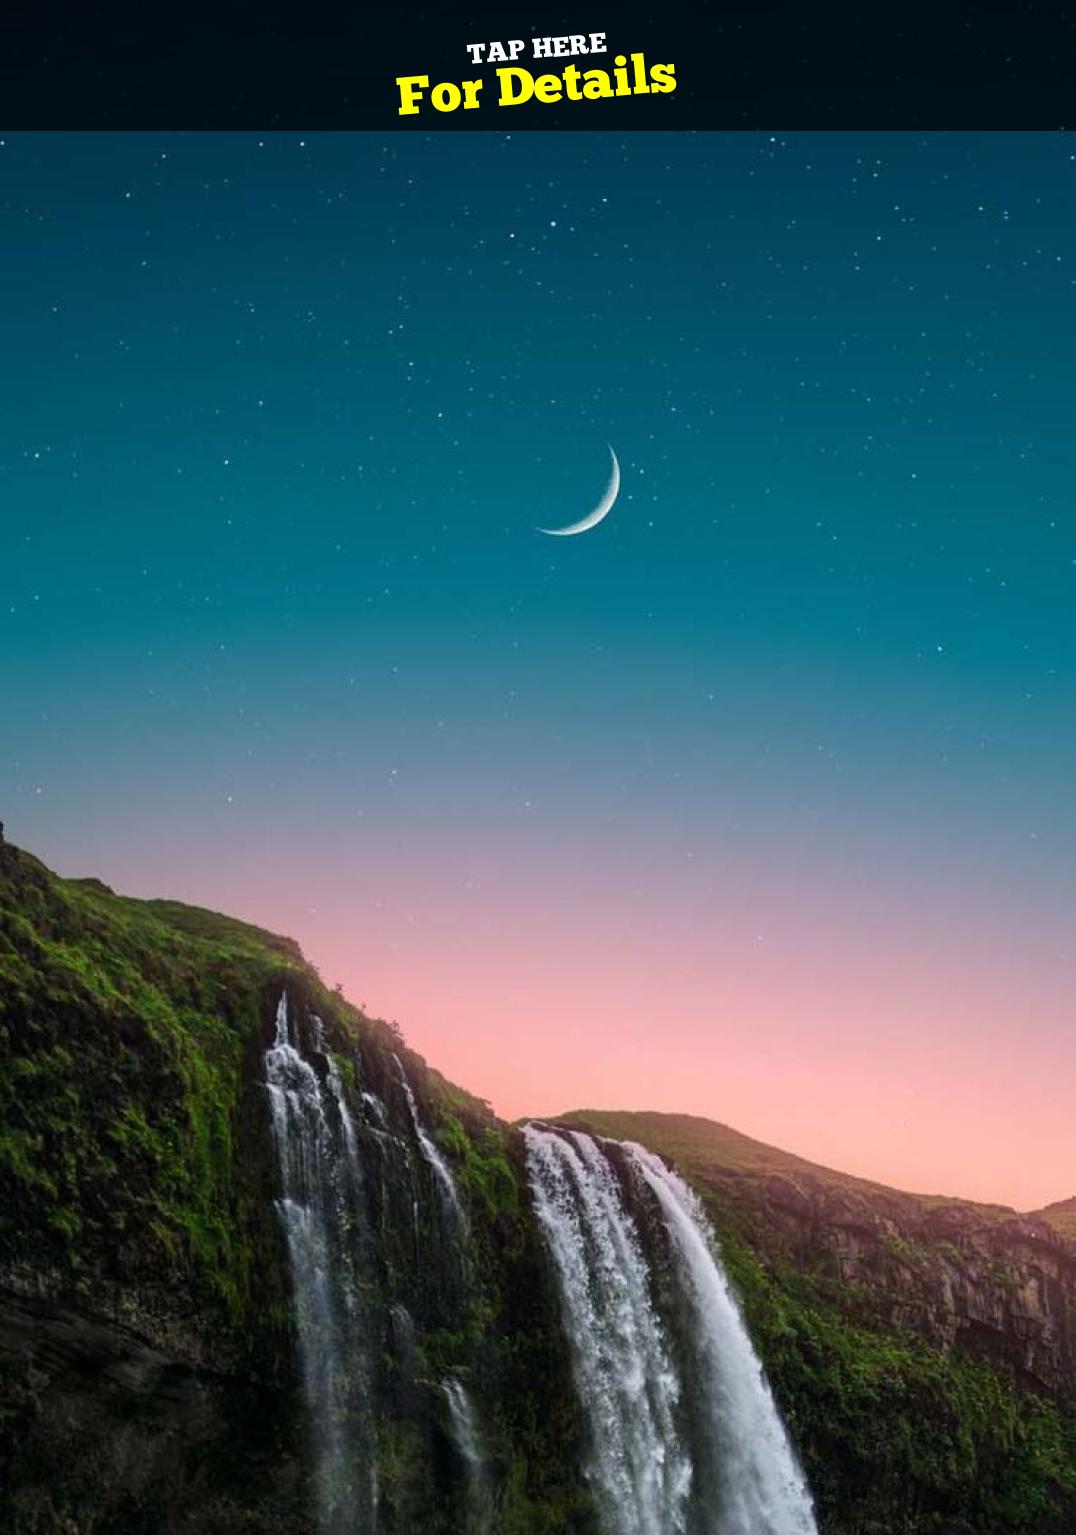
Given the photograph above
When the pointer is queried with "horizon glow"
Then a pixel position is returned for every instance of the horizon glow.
(752, 802)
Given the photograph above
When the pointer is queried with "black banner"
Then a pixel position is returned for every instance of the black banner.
(720, 65)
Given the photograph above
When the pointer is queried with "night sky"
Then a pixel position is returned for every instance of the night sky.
(754, 801)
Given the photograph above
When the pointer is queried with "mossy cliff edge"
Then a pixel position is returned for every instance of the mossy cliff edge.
(924, 1355)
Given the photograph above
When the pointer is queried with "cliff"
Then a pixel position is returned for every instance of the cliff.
(923, 1352)
(923, 1349)
(969, 1278)
(147, 1366)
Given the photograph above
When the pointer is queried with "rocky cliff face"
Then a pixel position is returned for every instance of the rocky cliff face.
(149, 1378)
(922, 1352)
(974, 1279)
(923, 1349)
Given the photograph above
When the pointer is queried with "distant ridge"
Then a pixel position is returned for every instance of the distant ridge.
(1061, 1215)
(708, 1149)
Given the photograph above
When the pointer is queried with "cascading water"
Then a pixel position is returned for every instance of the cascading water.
(461, 1414)
(685, 1438)
(317, 1156)
(372, 1103)
(465, 1437)
(684, 1435)
(638, 1468)
(445, 1181)
(762, 1490)
(336, 1089)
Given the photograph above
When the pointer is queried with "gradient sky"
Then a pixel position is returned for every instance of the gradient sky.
(754, 802)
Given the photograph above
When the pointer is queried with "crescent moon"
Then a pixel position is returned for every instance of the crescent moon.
(602, 509)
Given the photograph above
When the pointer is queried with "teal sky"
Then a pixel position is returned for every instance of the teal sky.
(279, 417)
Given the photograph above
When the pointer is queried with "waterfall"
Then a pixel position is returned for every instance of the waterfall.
(445, 1181)
(461, 1416)
(377, 1109)
(685, 1438)
(464, 1432)
(343, 1113)
(762, 1489)
(639, 1469)
(315, 1211)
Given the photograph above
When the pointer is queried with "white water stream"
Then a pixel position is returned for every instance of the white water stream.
(684, 1440)
(317, 1156)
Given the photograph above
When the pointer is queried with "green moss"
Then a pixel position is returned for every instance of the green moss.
(482, 1167)
(907, 1252)
(346, 1067)
(126, 1025)
(882, 1415)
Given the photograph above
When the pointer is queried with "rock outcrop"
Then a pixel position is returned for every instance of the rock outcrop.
(965, 1277)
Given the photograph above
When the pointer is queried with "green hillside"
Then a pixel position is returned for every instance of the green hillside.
(1062, 1216)
(707, 1150)
(922, 1350)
